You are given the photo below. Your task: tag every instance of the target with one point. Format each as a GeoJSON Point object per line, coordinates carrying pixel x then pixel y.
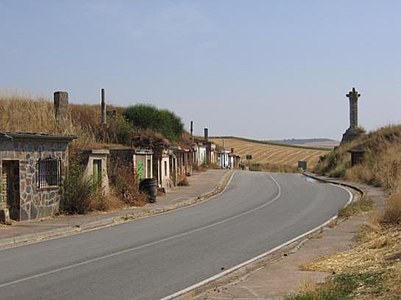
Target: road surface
{"type": "Point", "coordinates": [157, 256]}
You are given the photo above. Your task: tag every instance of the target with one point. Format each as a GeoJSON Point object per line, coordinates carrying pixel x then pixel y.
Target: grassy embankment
{"type": "Point", "coordinates": [372, 269]}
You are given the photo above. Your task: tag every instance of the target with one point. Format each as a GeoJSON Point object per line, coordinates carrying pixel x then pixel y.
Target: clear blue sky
{"type": "Point", "coordinates": [261, 69]}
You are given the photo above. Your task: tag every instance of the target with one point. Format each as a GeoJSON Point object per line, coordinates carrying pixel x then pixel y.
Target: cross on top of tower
{"type": "Point", "coordinates": [353, 94]}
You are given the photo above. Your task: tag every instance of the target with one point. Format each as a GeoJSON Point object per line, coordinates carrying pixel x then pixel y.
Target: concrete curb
{"type": "Point", "coordinates": [349, 185]}
{"type": "Point", "coordinates": [106, 222]}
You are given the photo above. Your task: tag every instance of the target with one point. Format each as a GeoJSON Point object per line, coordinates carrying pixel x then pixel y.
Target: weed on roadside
{"type": "Point", "coordinates": [357, 207]}
{"type": "Point", "coordinates": [183, 182]}
{"type": "Point", "coordinates": [343, 286]}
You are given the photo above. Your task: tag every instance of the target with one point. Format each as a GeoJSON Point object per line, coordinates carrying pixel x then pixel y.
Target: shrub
{"type": "Point", "coordinates": [125, 184]}
{"type": "Point", "coordinates": [363, 205]}
{"type": "Point", "coordinates": [255, 167]}
{"type": "Point", "coordinates": [338, 172]}
{"type": "Point", "coordinates": [183, 182]}
{"type": "Point", "coordinates": [392, 213]}
{"type": "Point", "coordinates": [119, 130]}
{"type": "Point", "coordinates": [144, 116]}
{"type": "Point", "coordinates": [78, 191]}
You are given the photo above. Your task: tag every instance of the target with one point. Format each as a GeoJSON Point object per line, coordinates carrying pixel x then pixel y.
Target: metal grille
{"type": "Point", "coordinates": [49, 172]}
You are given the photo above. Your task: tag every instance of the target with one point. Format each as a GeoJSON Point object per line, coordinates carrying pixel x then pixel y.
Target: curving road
{"type": "Point", "coordinates": [155, 257]}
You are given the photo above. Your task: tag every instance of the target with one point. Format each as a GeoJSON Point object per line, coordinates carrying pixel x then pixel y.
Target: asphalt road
{"type": "Point", "coordinates": [154, 257]}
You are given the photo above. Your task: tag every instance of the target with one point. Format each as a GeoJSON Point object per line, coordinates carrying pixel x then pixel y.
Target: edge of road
{"type": "Point", "coordinates": [115, 220]}
{"type": "Point", "coordinates": [267, 257]}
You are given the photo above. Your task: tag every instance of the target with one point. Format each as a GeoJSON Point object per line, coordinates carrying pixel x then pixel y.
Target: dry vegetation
{"type": "Point", "coordinates": [269, 154]}
{"type": "Point", "coordinates": [372, 269]}
{"type": "Point", "coordinates": [20, 113]}
{"type": "Point", "coordinates": [23, 114]}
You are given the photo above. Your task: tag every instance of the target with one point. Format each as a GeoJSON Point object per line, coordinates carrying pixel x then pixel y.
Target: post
{"type": "Point", "coordinates": [103, 109]}
{"type": "Point", "coordinates": [192, 131]}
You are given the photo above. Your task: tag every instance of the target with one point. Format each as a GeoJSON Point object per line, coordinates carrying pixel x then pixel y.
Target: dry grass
{"type": "Point", "coordinates": [100, 202]}
{"type": "Point", "coordinates": [20, 113]}
{"type": "Point", "coordinates": [26, 115]}
{"type": "Point", "coordinates": [392, 213]}
{"type": "Point", "coordinates": [356, 208]}
{"type": "Point", "coordinates": [264, 154]}
{"type": "Point", "coordinates": [377, 256]}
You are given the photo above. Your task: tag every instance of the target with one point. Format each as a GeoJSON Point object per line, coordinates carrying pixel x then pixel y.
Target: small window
{"type": "Point", "coordinates": [49, 171]}
{"type": "Point", "coordinates": [165, 168]}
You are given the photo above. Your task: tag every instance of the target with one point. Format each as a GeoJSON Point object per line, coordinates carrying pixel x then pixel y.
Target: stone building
{"type": "Point", "coordinates": [32, 170]}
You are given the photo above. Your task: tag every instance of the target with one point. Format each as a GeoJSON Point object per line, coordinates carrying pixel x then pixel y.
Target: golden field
{"type": "Point", "coordinates": [264, 153]}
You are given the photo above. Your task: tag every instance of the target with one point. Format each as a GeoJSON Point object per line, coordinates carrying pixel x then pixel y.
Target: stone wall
{"type": "Point", "coordinates": [35, 202]}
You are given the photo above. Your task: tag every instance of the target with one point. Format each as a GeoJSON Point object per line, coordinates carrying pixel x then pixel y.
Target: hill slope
{"type": "Point", "coordinates": [267, 153]}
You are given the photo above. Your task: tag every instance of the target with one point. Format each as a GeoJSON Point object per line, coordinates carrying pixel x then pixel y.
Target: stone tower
{"type": "Point", "coordinates": [353, 132]}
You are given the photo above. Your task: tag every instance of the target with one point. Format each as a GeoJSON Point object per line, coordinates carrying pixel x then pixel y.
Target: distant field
{"type": "Point", "coordinates": [314, 143]}
{"type": "Point", "coordinates": [263, 152]}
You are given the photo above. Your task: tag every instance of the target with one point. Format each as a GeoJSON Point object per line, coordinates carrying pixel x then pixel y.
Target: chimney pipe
{"type": "Point", "coordinates": [103, 108]}
{"type": "Point", "coordinates": [206, 134]}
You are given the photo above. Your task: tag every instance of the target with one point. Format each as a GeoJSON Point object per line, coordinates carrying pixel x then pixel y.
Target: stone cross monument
{"type": "Point", "coordinates": [353, 131]}
{"type": "Point", "coordinates": [353, 108]}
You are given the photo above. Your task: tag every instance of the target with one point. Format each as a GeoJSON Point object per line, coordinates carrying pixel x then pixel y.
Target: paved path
{"type": "Point", "coordinates": [200, 186]}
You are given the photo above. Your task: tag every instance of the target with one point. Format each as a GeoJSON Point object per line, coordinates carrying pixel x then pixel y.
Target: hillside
{"type": "Point", "coordinates": [268, 153]}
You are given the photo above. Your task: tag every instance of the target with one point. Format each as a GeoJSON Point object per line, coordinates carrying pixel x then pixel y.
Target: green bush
{"type": "Point", "coordinates": [144, 116]}
{"type": "Point", "coordinates": [78, 191]}
{"type": "Point", "coordinates": [338, 172]}
{"type": "Point", "coordinates": [120, 130]}
{"type": "Point", "coordinates": [255, 167]}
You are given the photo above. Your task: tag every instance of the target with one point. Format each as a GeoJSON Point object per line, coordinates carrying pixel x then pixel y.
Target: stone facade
{"type": "Point", "coordinates": [25, 153]}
